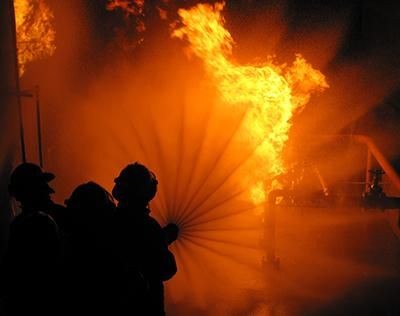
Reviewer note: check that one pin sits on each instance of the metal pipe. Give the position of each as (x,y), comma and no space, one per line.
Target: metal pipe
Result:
(367,170)
(380,158)
(39,127)
(321,180)
(376,153)
(270,228)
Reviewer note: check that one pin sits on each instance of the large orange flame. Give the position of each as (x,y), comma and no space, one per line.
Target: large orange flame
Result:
(271,93)
(35,31)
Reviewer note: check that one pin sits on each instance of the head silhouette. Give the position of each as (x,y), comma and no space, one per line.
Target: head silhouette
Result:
(29,185)
(135,186)
(91,200)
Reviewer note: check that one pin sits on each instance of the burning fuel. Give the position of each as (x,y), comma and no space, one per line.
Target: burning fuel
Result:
(271,93)
(35,31)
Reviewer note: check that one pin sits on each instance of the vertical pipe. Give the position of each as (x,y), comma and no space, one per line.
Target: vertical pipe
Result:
(21,128)
(368,168)
(39,127)
(321,180)
(271,260)
(270,229)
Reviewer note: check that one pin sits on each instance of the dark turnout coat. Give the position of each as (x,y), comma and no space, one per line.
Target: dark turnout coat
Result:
(29,266)
(142,246)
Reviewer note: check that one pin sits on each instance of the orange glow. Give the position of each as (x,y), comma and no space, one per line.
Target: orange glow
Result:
(270,93)
(35,31)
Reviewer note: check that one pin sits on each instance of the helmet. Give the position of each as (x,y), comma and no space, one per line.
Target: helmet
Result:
(90,195)
(135,182)
(29,176)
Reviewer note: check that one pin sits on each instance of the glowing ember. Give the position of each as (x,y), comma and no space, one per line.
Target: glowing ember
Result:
(271,93)
(35,31)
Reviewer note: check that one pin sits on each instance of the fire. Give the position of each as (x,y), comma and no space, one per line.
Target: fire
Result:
(271,93)
(35,31)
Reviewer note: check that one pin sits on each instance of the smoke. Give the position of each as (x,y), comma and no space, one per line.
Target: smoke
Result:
(106,103)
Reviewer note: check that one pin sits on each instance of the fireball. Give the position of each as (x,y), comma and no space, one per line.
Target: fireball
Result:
(270,93)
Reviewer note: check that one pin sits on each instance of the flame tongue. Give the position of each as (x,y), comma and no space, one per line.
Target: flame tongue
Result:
(271,93)
(35,31)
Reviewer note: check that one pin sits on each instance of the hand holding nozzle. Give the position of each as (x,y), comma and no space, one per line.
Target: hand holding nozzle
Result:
(171,232)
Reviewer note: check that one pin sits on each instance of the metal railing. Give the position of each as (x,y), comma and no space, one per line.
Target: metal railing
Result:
(373,152)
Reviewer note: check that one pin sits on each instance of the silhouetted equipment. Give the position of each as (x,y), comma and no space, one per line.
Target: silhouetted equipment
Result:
(375,189)
(39,127)
(374,197)
(171,232)
(33,93)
